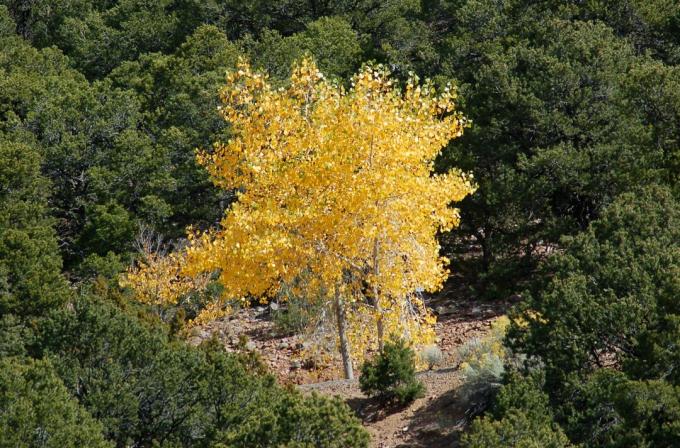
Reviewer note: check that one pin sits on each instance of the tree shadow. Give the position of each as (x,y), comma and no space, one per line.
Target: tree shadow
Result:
(371,410)
(438,423)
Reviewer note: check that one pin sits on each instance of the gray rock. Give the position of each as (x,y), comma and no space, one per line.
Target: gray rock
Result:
(203,334)
(250,346)
(446,310)
(194,341)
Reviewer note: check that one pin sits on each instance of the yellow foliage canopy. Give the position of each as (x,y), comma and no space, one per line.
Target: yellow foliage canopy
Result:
(332,185)
(325,176)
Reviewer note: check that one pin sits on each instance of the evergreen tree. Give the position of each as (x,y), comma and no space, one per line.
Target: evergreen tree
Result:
(36,410)
(30,264)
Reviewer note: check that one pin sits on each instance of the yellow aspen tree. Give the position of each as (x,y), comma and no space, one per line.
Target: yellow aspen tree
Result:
(158,280)
(334,184)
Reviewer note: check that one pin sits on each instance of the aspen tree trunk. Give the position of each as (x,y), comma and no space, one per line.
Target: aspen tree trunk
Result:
(376,299)
(342,333)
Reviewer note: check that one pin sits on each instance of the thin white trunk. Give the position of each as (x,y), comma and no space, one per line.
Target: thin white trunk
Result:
(376,298)
(342,334)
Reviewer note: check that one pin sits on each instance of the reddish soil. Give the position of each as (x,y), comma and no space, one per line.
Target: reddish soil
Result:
(459,319)
(433,421)
(430,422)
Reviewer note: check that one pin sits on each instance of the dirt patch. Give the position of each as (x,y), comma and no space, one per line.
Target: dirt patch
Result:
(458,320)
(432,421)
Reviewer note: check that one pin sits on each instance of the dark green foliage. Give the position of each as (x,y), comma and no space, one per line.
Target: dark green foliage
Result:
(590,417)
(575,107)
(107,267)
(523,393)
(609,410)
(651,414)
(613,293)
(330,40)
(653,90)
(99,35)
(92,149)
(30,266)
(7,25)
(521,417)
(297,421)
(36,410)
(610,301)
(514,430)
(120,158)
(657,353)
(553,139)
(108,226)
(14,336)
(145,389)
(391,375)
(141,387)
(651,25)
(178,98)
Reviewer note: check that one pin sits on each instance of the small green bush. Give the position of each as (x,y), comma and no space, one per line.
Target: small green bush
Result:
(295,316)
(520,417)
(294,421)
(516,430)
(391,376)
(523,392)
(482,366)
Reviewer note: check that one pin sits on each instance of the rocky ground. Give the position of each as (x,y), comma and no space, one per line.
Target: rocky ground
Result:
(432,421)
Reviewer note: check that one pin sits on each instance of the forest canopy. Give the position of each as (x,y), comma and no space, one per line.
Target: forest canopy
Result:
(572,134)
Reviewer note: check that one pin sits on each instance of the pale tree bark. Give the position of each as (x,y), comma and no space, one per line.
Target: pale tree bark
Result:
(342,334)
(376,297)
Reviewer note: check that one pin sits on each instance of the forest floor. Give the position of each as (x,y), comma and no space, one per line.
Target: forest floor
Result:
(432,421)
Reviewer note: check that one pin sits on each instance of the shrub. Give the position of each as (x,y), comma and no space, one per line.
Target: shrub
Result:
(589,415)
(609,410)
(609,298)
(293,420)
(146,389)
(295,316)
(36,410)
(515,430)
(483,359)
(521,418)
(482,365)
(525,394)
(391,376)
(603,322)
(650,411)
(431,356)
